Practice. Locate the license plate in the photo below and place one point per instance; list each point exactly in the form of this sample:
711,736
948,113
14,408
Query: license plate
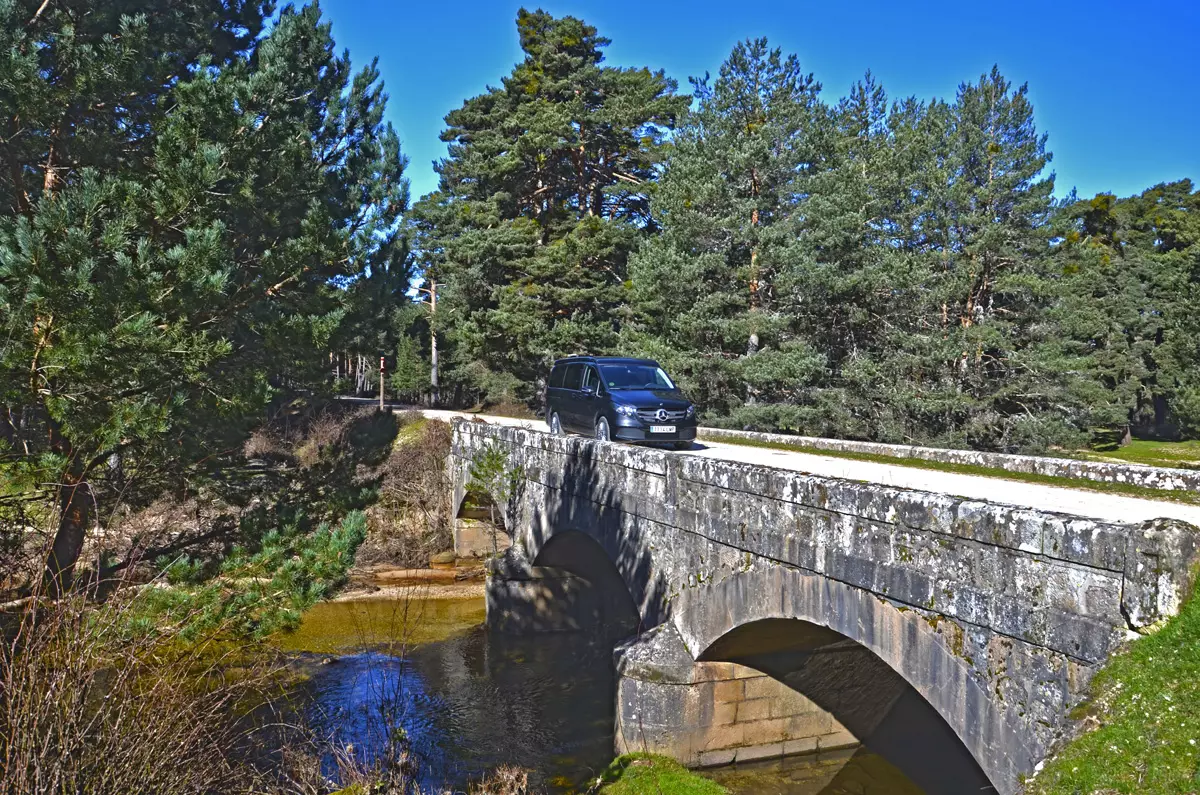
662,429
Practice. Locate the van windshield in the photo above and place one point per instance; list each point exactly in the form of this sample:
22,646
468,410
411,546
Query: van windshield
635,376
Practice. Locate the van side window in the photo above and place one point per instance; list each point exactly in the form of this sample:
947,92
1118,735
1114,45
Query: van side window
574,376
556,376
591,379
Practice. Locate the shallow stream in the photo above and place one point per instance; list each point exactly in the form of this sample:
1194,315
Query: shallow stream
470,700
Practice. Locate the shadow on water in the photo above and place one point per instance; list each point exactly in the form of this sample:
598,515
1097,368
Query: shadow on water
473,702
478,700
844,772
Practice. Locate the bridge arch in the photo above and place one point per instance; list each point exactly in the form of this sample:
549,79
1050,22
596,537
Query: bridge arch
605,589
880,669
861,693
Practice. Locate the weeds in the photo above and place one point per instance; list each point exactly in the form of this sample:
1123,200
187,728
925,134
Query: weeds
93,701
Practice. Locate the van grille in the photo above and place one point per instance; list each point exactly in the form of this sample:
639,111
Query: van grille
651,415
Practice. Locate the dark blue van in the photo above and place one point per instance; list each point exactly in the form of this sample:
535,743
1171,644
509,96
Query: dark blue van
631,400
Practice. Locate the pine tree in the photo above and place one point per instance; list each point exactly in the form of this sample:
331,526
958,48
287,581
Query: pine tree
1126,312
181,196
542,197
978,363
706,290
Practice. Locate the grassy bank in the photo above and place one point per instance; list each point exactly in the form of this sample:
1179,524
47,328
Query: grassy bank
1124,489
1177,455
646,774
1145,714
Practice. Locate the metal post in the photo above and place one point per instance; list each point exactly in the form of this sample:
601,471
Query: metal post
433,351
381,383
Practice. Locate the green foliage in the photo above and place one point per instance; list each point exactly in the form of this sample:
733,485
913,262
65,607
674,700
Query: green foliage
709,290
494,481
635,774
541,200
410,373
862,269
1131,268
257,592
1147,707
493,477
184,198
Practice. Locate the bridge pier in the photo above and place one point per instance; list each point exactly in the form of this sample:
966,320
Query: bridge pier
705,714
523,598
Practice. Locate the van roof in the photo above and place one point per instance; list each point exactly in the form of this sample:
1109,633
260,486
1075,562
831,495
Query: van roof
604,360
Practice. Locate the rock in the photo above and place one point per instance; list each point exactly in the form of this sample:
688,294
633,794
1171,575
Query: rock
444,558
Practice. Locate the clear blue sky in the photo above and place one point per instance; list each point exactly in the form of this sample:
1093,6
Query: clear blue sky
1115,84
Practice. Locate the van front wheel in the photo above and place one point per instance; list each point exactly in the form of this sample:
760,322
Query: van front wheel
602,432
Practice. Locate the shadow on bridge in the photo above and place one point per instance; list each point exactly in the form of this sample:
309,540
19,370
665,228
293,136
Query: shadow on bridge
587,527
863,693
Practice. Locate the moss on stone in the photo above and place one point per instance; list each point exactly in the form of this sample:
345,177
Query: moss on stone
647,774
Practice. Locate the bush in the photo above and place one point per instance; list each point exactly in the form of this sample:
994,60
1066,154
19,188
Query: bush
412,520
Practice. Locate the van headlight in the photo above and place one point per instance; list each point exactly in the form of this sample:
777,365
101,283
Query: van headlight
626,411
691,411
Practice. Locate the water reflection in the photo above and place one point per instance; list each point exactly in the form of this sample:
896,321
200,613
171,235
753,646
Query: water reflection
476,700
845,772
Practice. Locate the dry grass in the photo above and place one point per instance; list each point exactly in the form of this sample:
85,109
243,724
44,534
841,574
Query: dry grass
412,520
92,701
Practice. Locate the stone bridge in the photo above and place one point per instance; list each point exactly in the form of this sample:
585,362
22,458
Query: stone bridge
762,612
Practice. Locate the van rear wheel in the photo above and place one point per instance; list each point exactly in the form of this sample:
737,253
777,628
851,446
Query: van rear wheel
556,424
602,432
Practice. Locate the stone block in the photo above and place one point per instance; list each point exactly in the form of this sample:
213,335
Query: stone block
717,758
753,710
732,690
771,730
732,736
724,713
765,687
804,745
837,739
810,724
767,751
790,703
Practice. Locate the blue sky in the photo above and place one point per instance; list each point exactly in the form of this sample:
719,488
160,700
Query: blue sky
1115,84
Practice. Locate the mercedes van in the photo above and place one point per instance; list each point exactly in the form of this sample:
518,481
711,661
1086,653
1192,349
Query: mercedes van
612,398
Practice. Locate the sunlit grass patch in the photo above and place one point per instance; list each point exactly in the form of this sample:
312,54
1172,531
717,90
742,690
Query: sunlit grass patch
633,774
1146,712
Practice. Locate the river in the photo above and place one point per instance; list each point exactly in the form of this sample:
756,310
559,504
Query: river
470,700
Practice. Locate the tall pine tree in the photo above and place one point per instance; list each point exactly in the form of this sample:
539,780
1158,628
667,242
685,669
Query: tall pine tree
706,291
541,200
1127,310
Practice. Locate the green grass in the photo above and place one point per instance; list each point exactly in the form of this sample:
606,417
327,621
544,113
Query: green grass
638,774
1147,702
1179,455
1125,489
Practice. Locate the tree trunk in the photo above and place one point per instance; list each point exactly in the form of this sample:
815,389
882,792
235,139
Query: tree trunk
755,300
75,518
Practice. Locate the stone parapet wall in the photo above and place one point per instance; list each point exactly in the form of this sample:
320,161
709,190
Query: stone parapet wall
1133,474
